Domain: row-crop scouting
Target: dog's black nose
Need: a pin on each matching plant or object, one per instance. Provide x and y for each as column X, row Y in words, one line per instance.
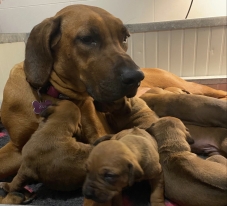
column 132, row 77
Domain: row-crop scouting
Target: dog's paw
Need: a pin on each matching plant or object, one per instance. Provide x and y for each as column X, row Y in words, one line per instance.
column 3, row 193
column 13, row 198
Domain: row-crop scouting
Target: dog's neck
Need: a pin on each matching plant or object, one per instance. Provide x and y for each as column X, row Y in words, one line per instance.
column 67, row 89
column 172, row 145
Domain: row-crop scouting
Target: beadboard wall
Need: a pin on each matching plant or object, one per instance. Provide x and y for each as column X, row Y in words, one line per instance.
column 186, row 52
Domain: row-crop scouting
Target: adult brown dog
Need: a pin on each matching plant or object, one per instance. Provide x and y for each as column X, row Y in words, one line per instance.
column 52, row 156
column 189, row 180
column 81, row 51
column 130, row 155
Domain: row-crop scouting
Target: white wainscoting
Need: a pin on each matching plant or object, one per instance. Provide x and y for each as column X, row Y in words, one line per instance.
column 185, row 52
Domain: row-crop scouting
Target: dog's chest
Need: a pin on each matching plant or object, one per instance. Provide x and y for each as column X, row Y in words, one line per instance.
column 94, row 123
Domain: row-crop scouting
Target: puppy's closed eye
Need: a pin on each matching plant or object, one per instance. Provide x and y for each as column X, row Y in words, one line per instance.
column 110, row 177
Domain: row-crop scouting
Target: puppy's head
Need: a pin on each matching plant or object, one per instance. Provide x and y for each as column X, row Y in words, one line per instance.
column 66, row 112
column 169, row 128
column 110, row 167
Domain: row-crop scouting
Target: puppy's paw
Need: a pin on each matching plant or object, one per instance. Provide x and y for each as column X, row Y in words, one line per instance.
column 48, row 111
column 3, row 194
column 13, row 198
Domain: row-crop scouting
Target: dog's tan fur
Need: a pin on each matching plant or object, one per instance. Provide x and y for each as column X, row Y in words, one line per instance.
column 189, row 180
column 200, row 110
column 155, row 77
column 128, row 156
column 52, row 156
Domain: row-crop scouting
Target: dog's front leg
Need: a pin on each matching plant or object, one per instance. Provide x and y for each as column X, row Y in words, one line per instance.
column 157, row 190
column 16, row 192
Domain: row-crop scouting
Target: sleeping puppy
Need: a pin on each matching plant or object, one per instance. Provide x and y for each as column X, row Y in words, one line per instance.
column 126, row 157
column 51, row 154
column 189, row 180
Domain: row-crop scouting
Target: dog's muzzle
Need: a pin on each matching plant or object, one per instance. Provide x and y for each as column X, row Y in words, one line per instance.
column 132, row 78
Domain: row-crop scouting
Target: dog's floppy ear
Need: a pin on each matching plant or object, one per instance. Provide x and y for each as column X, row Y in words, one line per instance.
column 38, row 55
column 135, row 172
column 189, row 139
column 101, row 139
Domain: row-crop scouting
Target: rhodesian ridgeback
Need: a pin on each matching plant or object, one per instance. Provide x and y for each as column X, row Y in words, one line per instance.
column 128, row 156
column 83, row 58
column 189, row 179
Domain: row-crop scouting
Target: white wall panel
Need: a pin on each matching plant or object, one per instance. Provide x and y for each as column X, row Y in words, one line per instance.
column 224, row 54
column 189, row 50
column 176, row 54
column 215, row 51
column 151, row 49
column 138, row 49
column 202, row 51
column 163, row 49
column 186, row 52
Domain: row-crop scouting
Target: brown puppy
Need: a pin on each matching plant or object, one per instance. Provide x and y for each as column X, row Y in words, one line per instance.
column 51, row 155
column 81, row 51
column 128, row 156
column 200, row 110
column 208, row 140
column 189, row 180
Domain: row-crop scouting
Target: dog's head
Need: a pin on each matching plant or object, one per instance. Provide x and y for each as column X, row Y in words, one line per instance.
column 170, row 129
column 82, row 51
column 110, row 167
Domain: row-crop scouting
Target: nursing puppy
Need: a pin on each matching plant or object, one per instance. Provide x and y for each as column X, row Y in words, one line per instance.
column 208, row 140
column 189, row 180
column 128, row 156
column 51, row 155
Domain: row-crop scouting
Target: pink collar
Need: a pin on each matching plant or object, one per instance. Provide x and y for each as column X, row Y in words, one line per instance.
column 54, row 93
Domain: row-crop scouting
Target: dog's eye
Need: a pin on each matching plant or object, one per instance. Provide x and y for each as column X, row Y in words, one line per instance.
column 125, row 40
column 88, row 40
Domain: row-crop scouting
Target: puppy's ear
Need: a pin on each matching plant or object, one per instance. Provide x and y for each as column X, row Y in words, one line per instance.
column 39, row 59
column 150, row 129
column 188, row 137
column 101, row 139
column 135, row 172
column 79, row 132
